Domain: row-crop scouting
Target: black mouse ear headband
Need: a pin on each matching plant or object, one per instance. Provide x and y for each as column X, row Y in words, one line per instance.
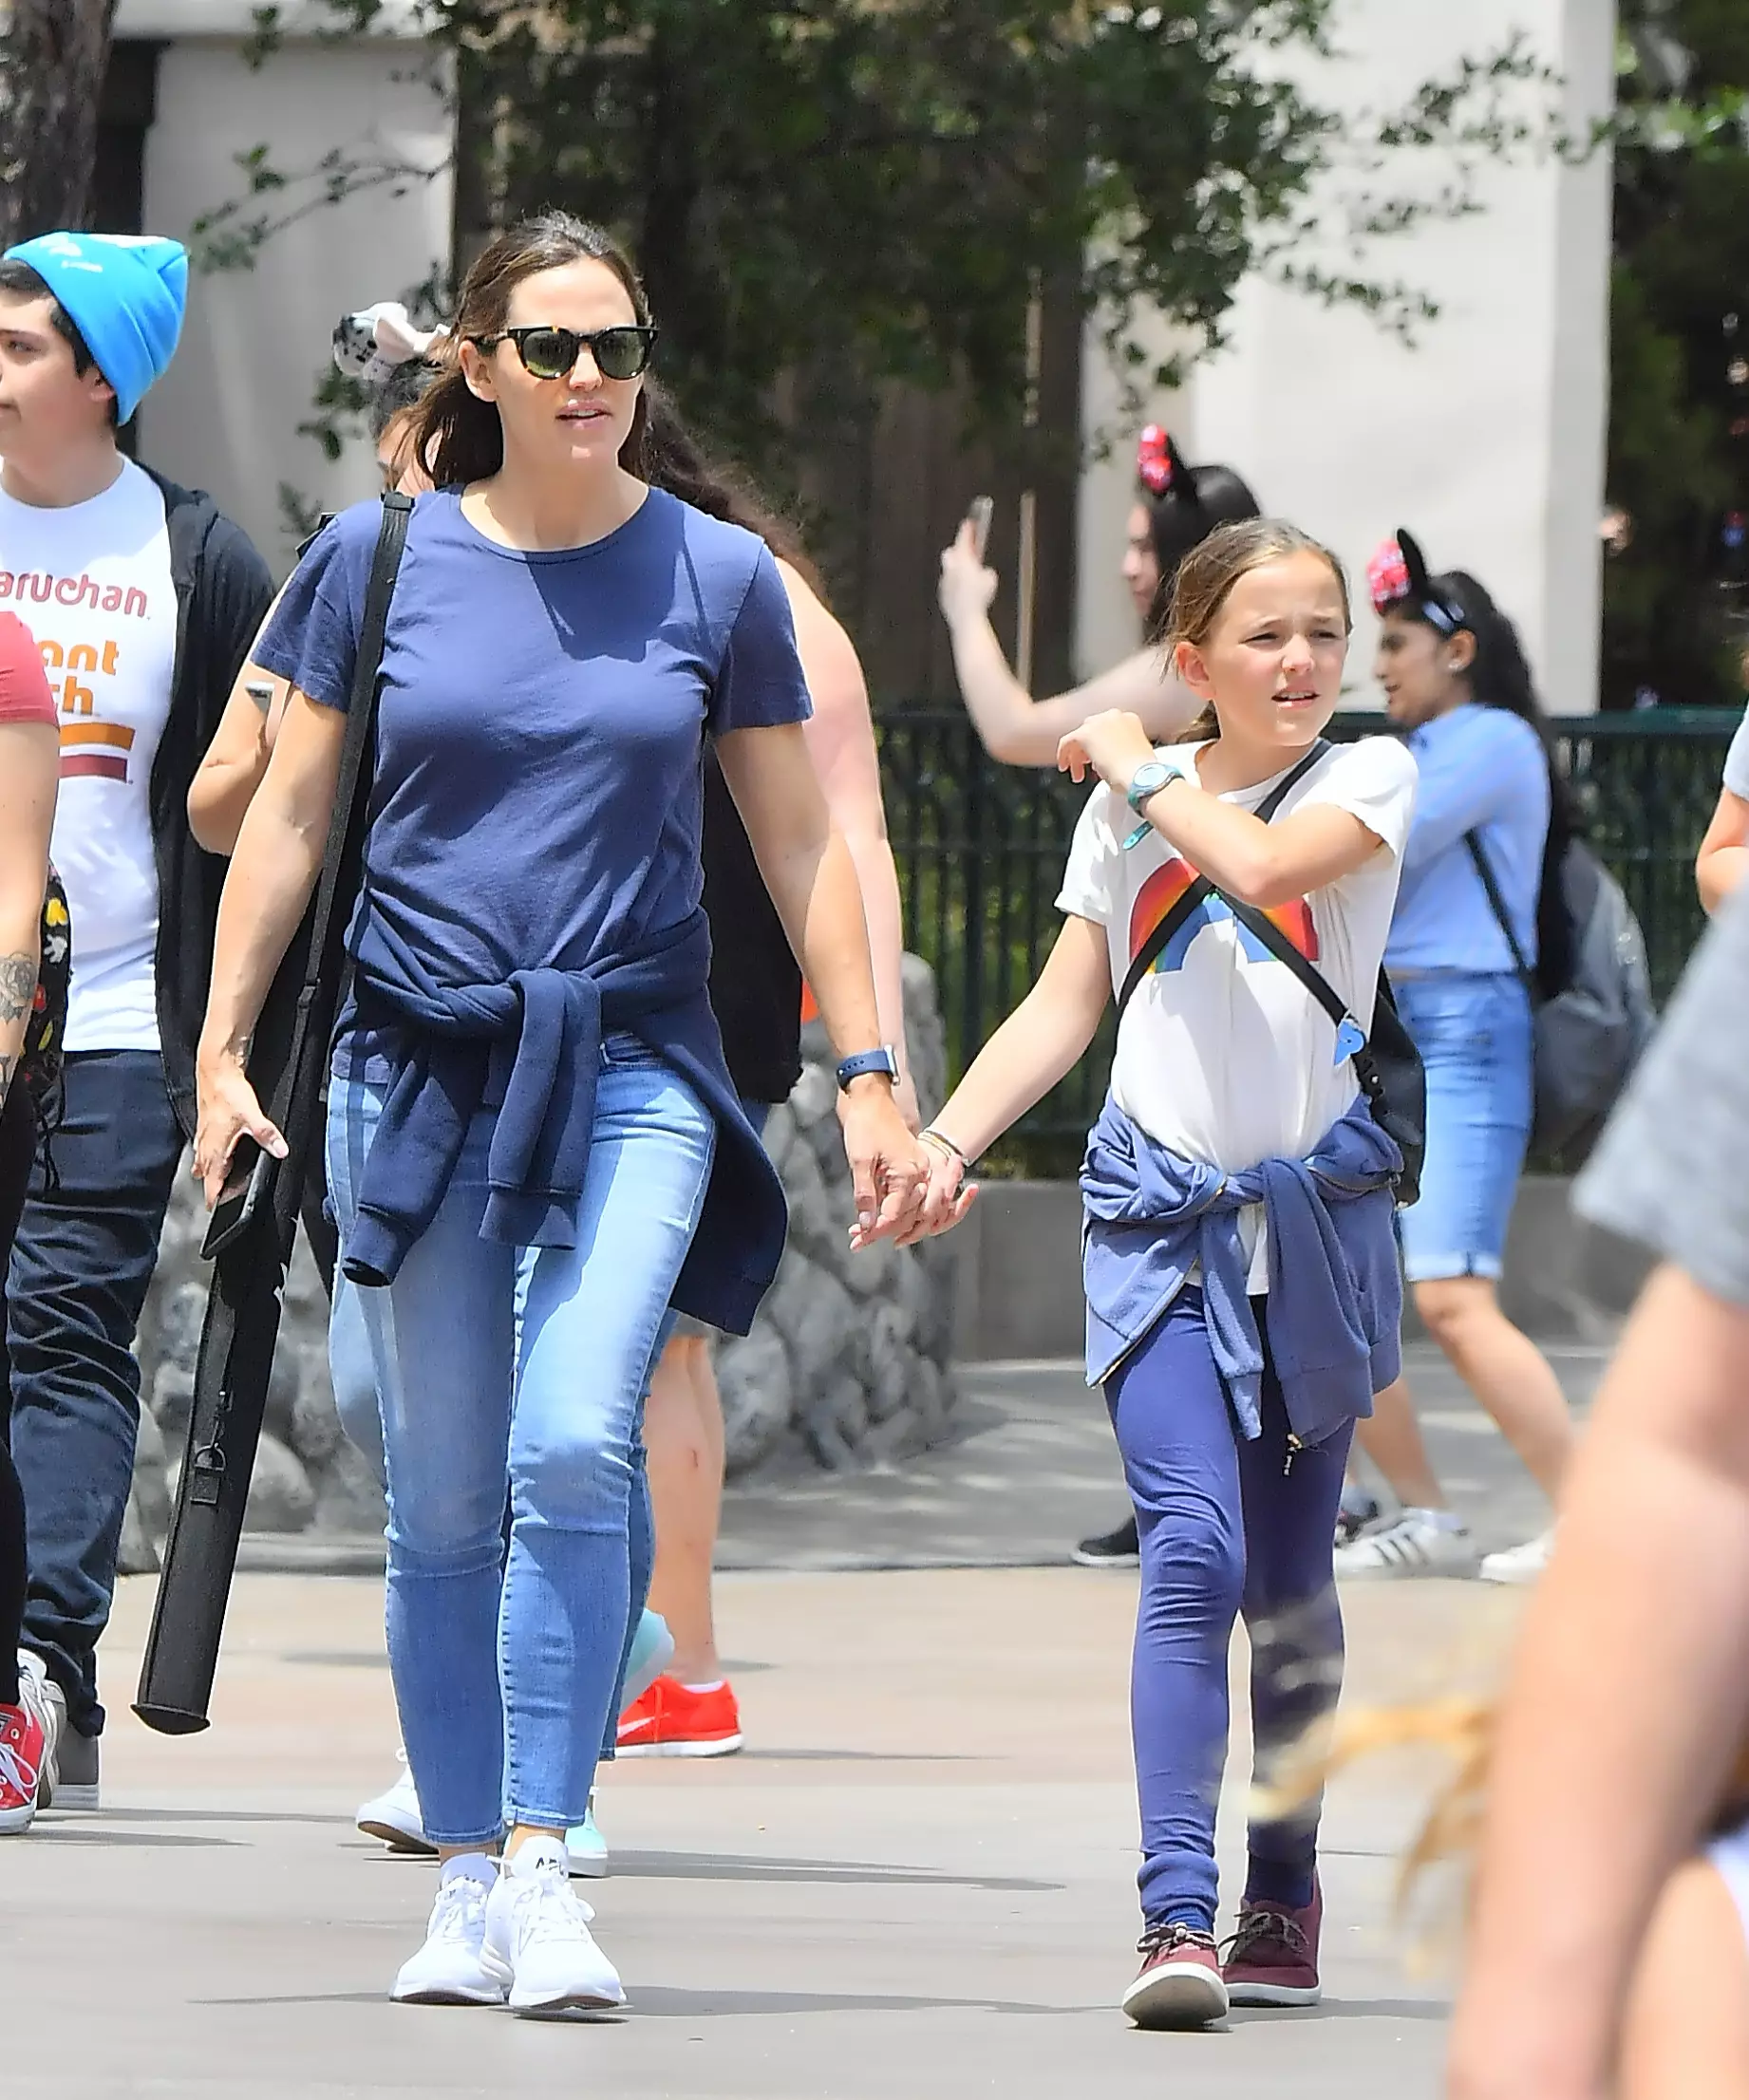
column 1160, row 469
column 1397, row 576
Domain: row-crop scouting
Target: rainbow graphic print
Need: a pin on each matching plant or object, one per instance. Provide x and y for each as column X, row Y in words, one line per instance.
column 1167, row 883
column 95, row 749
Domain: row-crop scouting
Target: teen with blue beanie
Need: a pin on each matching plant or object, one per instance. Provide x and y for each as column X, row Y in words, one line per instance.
column 534, row 1143
column 1242, row 1297
column 144, row 600
column 1456, row 679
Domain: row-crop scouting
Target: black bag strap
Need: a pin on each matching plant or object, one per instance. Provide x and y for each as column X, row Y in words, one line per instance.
column 1160, row 939
column 346, row 827
column 1473, row 839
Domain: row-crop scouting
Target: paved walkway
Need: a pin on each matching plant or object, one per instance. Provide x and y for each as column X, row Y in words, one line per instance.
column 918, row 1881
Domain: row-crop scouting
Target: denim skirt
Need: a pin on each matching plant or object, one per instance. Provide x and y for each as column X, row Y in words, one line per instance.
column 1474, row 1037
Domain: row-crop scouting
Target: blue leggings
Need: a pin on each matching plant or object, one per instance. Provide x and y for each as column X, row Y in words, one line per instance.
column 1227, row 1527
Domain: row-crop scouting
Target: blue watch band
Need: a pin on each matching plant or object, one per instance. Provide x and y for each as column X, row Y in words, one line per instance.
column 864, row 1062
column 1150, row 778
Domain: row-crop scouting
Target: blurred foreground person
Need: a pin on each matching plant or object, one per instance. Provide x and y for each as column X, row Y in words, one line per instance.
column 1609, row 1950
column 33, row 959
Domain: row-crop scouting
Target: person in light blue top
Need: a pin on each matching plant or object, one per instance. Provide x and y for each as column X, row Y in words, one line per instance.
column 534, row 1145
column 1479, row 933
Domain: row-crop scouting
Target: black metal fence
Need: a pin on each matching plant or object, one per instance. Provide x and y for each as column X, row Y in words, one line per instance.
column 981, row 849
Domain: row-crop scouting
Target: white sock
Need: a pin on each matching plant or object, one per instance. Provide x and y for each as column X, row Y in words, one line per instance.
column 473, row 1866
column 1442, row 1520
column 716, row 1685
column 535, row 1853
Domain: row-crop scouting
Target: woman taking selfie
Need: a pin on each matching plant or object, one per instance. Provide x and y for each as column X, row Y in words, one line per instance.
column 534, row 1144
column 1240, row 1267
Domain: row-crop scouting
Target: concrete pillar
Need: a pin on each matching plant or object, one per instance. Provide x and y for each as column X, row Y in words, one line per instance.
column 257, row 341
column 1487, row 436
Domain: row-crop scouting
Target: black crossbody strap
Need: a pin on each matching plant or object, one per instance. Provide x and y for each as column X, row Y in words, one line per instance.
column 347, row 824
column 1497, row 903
column 1264, row 929
column 1158, row 941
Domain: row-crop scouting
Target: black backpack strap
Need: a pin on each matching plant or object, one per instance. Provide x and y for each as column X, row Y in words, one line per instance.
column 1158, row 941
column 1497, row 904
column 346, row 827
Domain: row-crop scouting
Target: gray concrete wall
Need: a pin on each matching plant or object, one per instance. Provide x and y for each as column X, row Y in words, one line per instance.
column 1018, row 1285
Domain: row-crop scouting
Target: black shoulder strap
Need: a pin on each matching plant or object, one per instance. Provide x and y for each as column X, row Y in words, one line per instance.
column 1160, row 939
column 1497, row 904
column 346, row 828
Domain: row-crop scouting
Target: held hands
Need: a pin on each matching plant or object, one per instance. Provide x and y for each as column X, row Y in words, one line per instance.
column 227, row 1110
column 889, row 1169
column 1112, row 744
column 946, row 1199
column 967, row 589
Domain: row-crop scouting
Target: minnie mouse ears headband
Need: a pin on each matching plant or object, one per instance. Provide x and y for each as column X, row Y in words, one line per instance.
column 1397, row 576
column 1158, row 467
column 372, row 346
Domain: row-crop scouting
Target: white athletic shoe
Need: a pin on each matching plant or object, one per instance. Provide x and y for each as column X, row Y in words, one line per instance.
column 450, row 1968
column 1519, row 1564
column 395, row 1817
column 538, row 1940
column 43, row 1699
column 586, row 1849
column 1414, row 1541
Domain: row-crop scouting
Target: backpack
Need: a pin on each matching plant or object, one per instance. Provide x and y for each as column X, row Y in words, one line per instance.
column 1387, row 1062
column 1588, row 1033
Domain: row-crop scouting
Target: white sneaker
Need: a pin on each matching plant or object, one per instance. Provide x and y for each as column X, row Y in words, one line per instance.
column 450, row 1968
column 395, row 1816
column 586, row 1849
column 44, row 1699
column 537, row 1937
column 1414, row 1541
column 1519, row 1564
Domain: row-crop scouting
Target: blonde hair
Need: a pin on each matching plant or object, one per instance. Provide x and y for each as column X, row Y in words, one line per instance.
column 1206, row 578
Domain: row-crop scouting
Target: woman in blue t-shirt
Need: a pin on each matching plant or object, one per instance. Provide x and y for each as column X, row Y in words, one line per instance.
column 534, row 1144
column 1490, row 810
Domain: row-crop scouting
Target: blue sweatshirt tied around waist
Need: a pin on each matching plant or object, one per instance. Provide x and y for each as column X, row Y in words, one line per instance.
column 1335, row 1302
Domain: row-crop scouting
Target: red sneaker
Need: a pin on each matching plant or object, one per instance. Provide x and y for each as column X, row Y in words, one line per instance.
column 1272, row 1958
column 22, row 1746
column 673, row 1721
column 1179, row 1983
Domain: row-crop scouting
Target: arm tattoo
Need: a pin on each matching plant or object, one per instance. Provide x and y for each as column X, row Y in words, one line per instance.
column 17, row 986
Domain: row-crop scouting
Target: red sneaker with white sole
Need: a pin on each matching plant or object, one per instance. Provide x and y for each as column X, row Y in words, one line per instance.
column 23, row 1747
column 673, row 1721
column 1272, row 1958
column 1179, row 1983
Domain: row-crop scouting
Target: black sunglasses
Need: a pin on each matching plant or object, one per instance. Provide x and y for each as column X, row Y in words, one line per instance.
column 620, row 352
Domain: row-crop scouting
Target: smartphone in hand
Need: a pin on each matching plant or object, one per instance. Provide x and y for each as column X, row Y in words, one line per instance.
column 983, row 509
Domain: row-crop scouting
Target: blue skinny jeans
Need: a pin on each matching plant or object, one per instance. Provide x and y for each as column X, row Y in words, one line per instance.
column 517, row 1373
column 1227, row 1528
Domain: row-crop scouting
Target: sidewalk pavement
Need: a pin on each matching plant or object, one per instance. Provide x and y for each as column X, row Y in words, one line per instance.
column 917, row 1880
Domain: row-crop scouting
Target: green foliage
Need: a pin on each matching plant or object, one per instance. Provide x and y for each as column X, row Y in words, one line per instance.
column 1679, row 423
column 859, row 191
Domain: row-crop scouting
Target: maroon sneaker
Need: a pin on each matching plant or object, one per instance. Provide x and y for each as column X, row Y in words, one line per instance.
column 1179, row 1982
column 1272, row 1958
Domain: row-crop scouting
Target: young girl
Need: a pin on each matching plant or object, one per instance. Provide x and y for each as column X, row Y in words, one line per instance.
column 1242, row 1293
column 532, row 1142
column 1456, row 678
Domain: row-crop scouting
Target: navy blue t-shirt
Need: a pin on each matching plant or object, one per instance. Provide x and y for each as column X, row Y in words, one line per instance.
column 537, row 799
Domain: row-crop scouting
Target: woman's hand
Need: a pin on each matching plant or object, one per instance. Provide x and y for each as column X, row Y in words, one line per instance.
column 227, row 1110
column 1112, row 744
column 889, row 1168
column 949, row 1196
column 967, row 589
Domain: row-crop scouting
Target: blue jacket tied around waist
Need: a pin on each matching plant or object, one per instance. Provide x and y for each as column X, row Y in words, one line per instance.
column 1335, row 1303
column 531, row 1047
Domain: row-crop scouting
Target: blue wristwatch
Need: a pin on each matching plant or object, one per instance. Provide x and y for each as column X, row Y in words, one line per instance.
column 883, row 1061
column 1151, row 776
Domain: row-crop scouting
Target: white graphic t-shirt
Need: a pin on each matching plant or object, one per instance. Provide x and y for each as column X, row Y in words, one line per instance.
column 92, row 583
column 1222, row 1053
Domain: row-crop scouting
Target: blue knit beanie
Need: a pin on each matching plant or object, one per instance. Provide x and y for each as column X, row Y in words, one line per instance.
column 125, row 293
